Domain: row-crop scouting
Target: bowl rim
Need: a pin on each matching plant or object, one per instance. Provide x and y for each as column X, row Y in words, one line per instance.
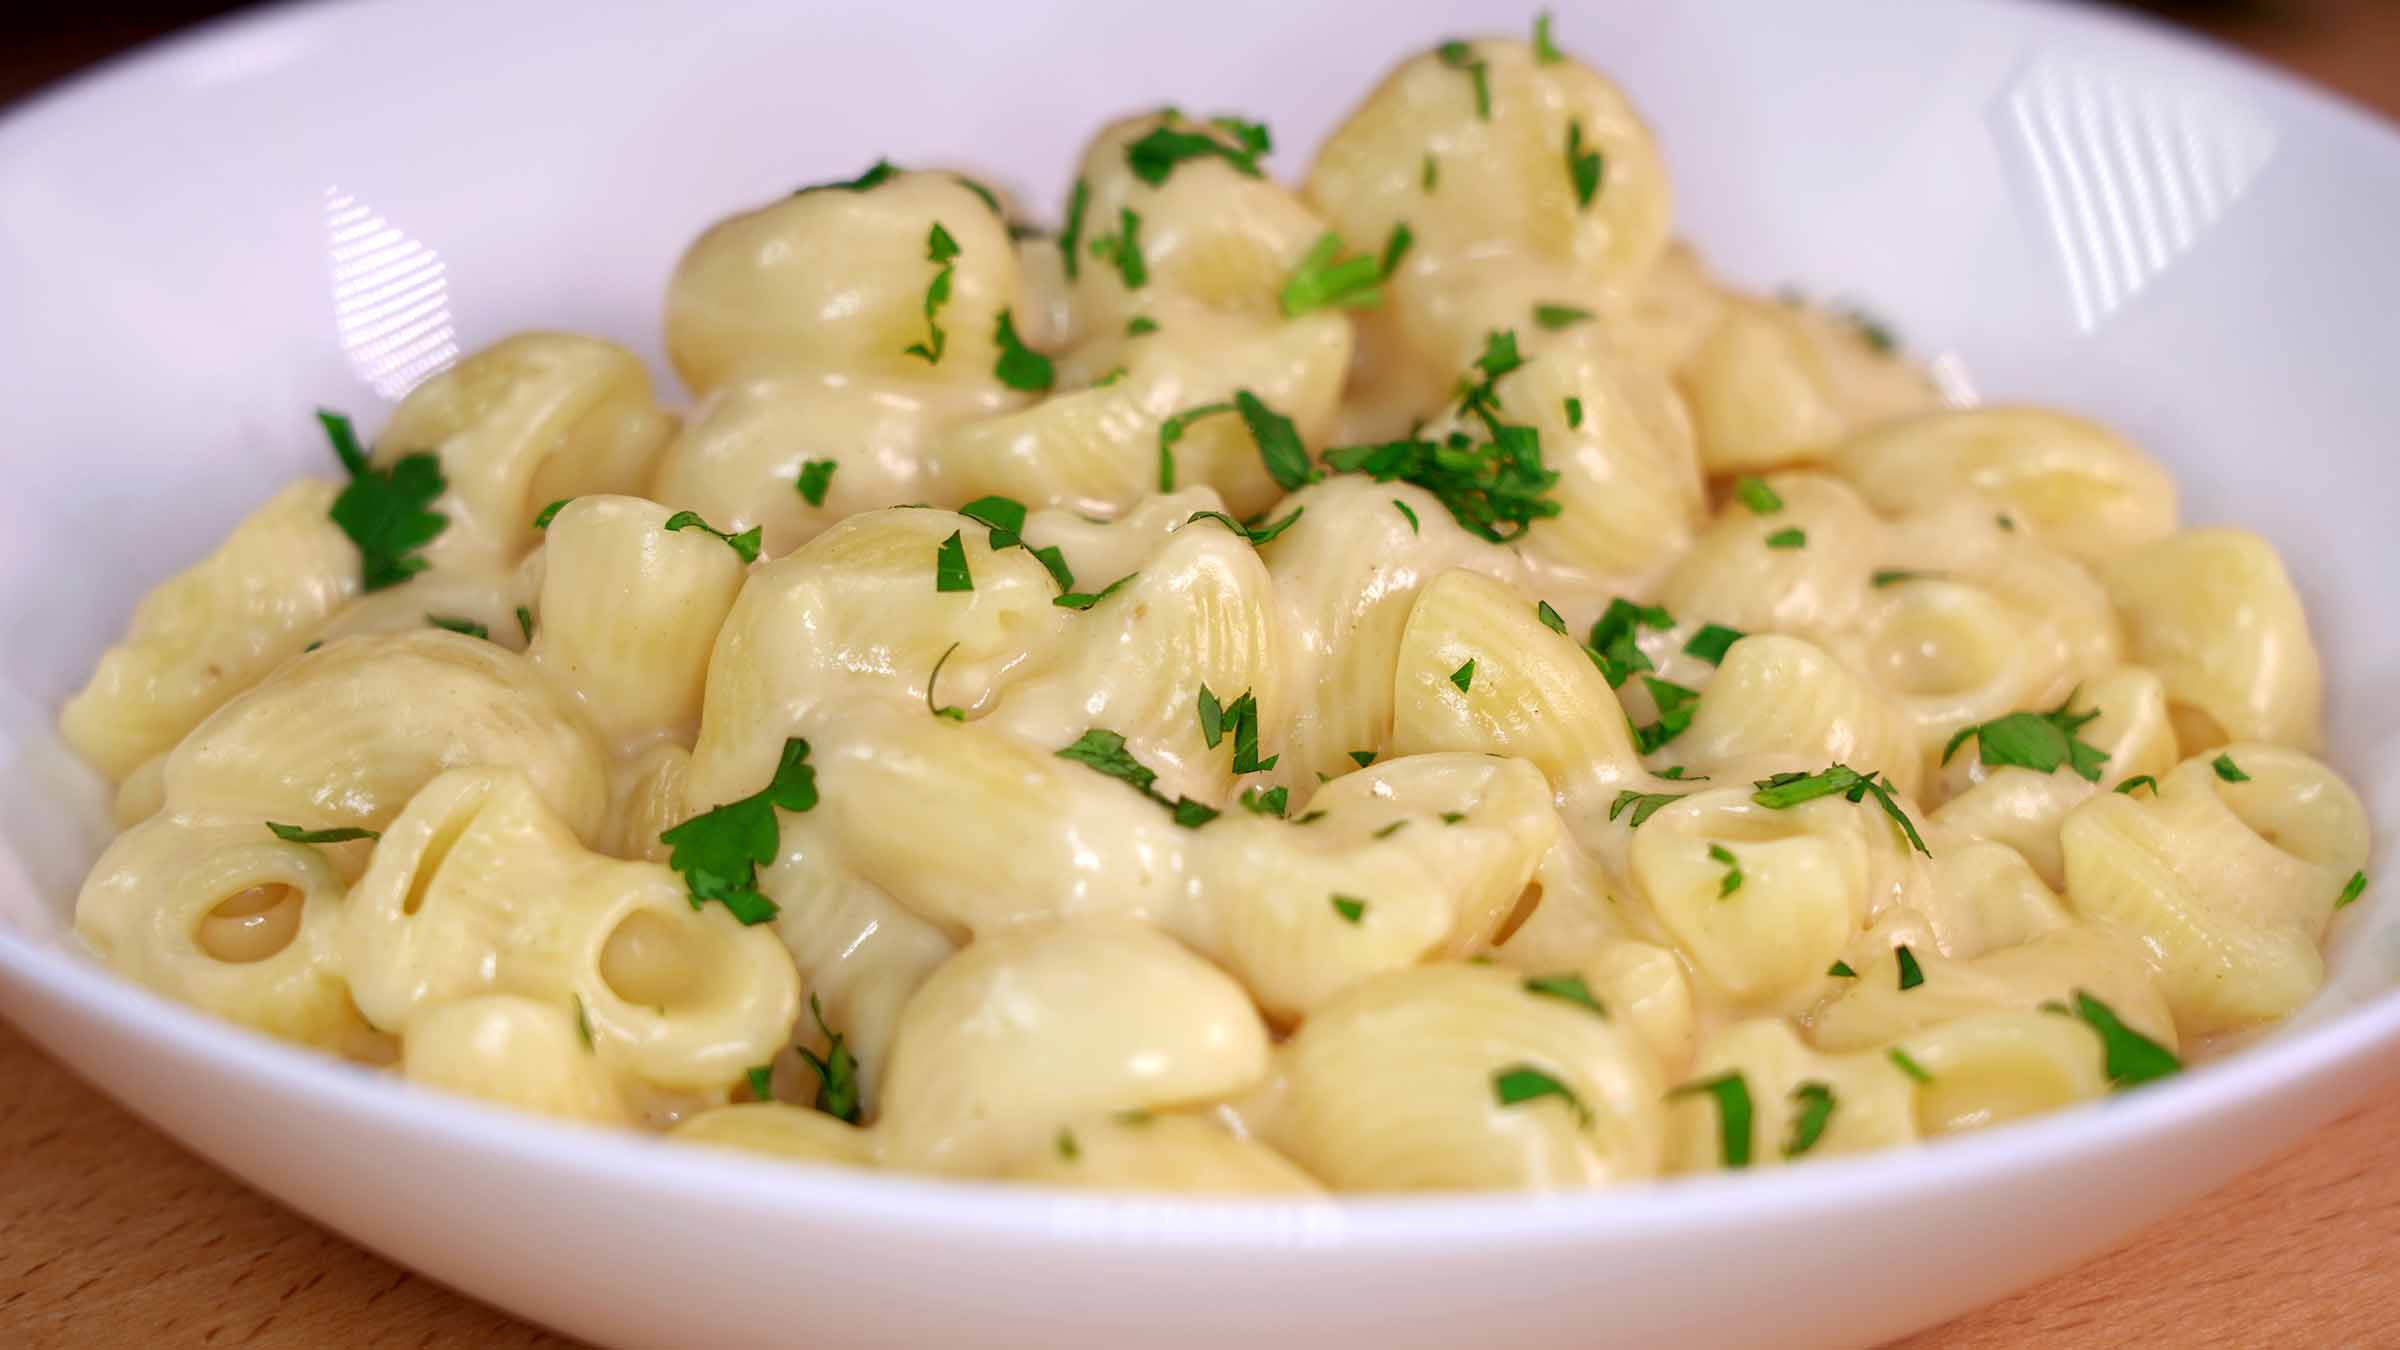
column 51, row 972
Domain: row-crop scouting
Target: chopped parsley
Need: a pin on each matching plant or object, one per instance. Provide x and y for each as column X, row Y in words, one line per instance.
column 343, row 834
column 1067, row 1148
column 468, row 627
column 1321, row 282
column 1256, row 536
column 1020, row 366
column 744, row 545
column 1753, row 492
column 1070, row 238
column 1904, row 1064
column 1644, row 804
column 1711, row 643
column 1406, row 514
column 1464, row 676
column 1520, row 1083
column 1078, row 600
column 1787, row 790
column 1676, row 707
column 1004, row 515
column 583, row 1023
column 1429, row 174
column 1733, row 869
column 876, row 173
column 1613, row 643
column 1574, row 413
column 1278, row 442
column 1362, row 758
column 720, row 850
column 1556, row 317
column 1500, row 481
column 1569, row 987
column 1460, row 56
column 1389, row 830
column 1124, row 248
column 2132, row 1058
column 1874, row 332
column 1395, row 247
column 1350, row 907
column 1140, row 324
column 1911, row 974
column 2355, row 887
column 1153, row 157
column 761, row 1078
column 1585, row 167
column 1238, row 719
column 1812, row 1107
column 385, row 511
column 954, row 714
column 1894, row 576
column 1272, row 802
column 950, row 565
column 1103, row 751
column 837, row 1072
column 1453, row 817
column 2005, row 521
column 2136, row 783
column 525, row 622
column 1551, row 619
column 2228, row 770
column 1733, row 1113
column 941, row 250
column 1793, row 537
column 550, row 513
column 1842, row 969
column 1171, row 430
column 1544, row 51
column 2037, row 741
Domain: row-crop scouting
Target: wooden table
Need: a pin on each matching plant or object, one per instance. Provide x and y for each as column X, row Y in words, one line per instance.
column 112, row 1236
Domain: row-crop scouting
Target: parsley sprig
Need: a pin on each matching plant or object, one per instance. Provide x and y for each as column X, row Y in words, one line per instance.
column 744, row 545
column 385, row 511
column 1495, row 488
column 942, row 251
column 1154, row 156
column 837, row 1070
column 720, row 851
column 1103, row 751
column 1787, row 790
column 2037, row 741
column 1020, row 366
column 1238, row 719
column 1732, row 1094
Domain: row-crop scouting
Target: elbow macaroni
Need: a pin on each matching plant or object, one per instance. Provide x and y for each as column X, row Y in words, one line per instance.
column 1402, row 683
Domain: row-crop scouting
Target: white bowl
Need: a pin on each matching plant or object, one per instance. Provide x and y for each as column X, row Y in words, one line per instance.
column 2062, row 207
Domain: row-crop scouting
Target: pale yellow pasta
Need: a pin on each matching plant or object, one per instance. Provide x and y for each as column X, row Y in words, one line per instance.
column 2228, row 884
column 630, row 611
column 1024, row 1031
column 1399, row 682
column 507, row 1048
column 213, row 631
column 2213, row 612
column 1396, row 1086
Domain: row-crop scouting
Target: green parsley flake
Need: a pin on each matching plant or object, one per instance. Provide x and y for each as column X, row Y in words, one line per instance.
column 466, row 627
column 837, row 1072
column 1078, row 600
column 1874, row 332
column 1272, row 802
column 1614, row 642
column 1794, row 537
column 1676, row 707
column 1171, row 430
column 2005, row 521
column 1906, row 1065
column 1103, row 751
column 525, row 622
column 1464, row 676
column 1004, row 515
column 1408, row 515
column 720, row 850
column 1389, row 830
column 1067, row 1147
column 1395, row 247
column 1733, row 869
column 2352, row 889
column 583, row 1023
column 2037, row 741
column 1460, row 56
column 1020, row 366
column 1429, row 174
column 954, row 714
column 1753, row 492
column 1569, row 987
column 1574, row 413
column 1911, row 974
column 1644, row 804
column 761, row 1078
column 294, row 834
column 1551, row 619
column 1258, row 536
column 815, row 477
column 950, row 565
column 2138, row 782
column 1153, row 157
column 1320, row 282
column 1545, row 52
column 1124, row 248
column 1711, row 643
column 1520, row 1083
column 2228, row 770
column 1139, row 325
column 550, row 513
column 1787, row 790
column 1585, row 167
column 1278, row 442
column 744, row 545
column 1732, row 1094
column 385, row 511
column 1350, row 907
column 1070, row 239
column 941, row 250
column 1895, row 576
column 2132, row 1058
column 875, row 175
column 1812, row 1107
column 1362, row 758
column 1453, row 817
column 1842, row 969
column 1556, row 317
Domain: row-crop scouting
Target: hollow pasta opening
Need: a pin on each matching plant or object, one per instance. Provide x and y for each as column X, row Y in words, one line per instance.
column 1939, row 649
column 654, row 962
column 251, row 924
column 429, row 863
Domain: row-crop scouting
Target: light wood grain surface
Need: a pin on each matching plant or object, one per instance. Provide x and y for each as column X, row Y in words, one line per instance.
column 113, row 1236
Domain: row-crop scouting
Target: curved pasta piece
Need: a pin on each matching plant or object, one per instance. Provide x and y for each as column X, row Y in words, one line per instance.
column 1871, row 1009
column 1777, row 385
column 2002, row 1066
column 520, row 424
column 518, row 1051
column 2227, row 883
column 791, row 1133
column 1028, row 1029
column 1782, row 696
column 479, row 888
column 645, row 800
column 837, row 280
column 345, row 735
column 1137, row 1151
column 630, row 613
column 1398, row 1085
column 1872, row 1102
column 1984, row 896
column 2072, row 484
column 2213, row 612
column 224, row 916
column 480, row 602
column 1478, row 670
column 1814, row 587
column 213, row 630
